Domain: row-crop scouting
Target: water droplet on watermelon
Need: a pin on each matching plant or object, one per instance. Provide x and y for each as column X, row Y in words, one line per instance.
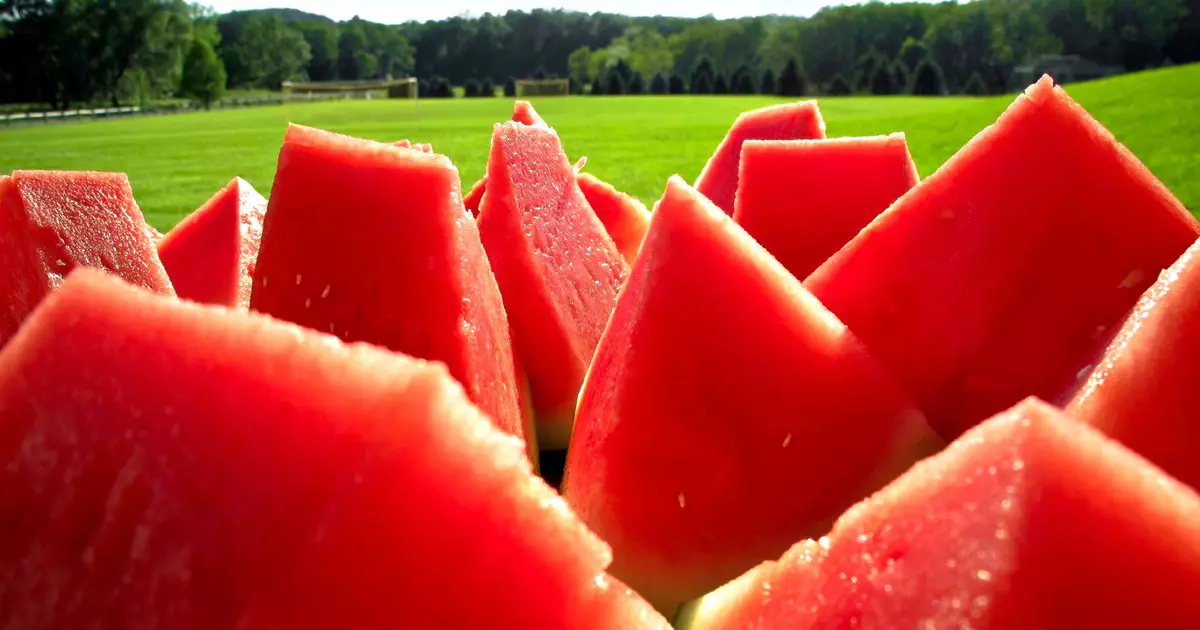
column 984, row 575
column 264, row 282
column 60, row 263
column 307, row 302
column 887, row 588
column 1018, row 464
column 824, row 542
column 951, row 563
column 298, row 277
column 862, row 539
column 991, row 470
column 787, row 440
column 1006, row 504
column 682, row 501
column 1001, row 534
column 325, row 293
column 956, row 603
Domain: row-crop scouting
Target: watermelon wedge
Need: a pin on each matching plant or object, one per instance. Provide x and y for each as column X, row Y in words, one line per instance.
column 558, row 270
column 981, row 286
column 688, row 437
column 1029, row 521
column 158, row 476
column 791, row 121
column 368, row 242
column 54, row 221
column 1142, row 392
column 524, row 113
column 624, row 218
column 210, row 255
column 846, row 183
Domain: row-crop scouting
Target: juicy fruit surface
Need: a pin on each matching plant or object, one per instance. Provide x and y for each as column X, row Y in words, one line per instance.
column 252, row 209
column 625, row 218
column 682, row 468
column 1143, row 390
column 203, row 253
column 558, row 270
column 804, row 199
column 978, row 287
column 408, row 275
column 791, row 121
column 53, row 222
column 1030, row 520
column 150, row 491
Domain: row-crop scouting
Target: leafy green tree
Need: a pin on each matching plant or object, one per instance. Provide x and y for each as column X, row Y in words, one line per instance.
column 839, row 86
column 767, row 84
column 791, row 81
column 579, row 63
column 637, row 85
column 203, row 78
column 912, row 51
column 881, row 81
column 440, row 87
column 487, row 89
column 900, row 77
column 424, row 88
column 927, row 79
column 322, row 41
column 975, row 85
column 510, row 87
column 658, row 85
column 703, row 72
column 540, row 73
column 597, row 87
column 614, row 83
column 352, row 43
column 745, row 84
column 676, row 85
column 271, row 51
column 471, row 88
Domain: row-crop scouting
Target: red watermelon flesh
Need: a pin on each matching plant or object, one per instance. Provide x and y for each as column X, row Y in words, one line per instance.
column 1029, row 520
column 790, row 121
column 988, row 282
column 368, row 242
column 624, row 218
column 694, row 474
column 524, row 113
column 1143, row 391
column 474, row 197
column 211, row 254
column 54, row 221
column 846, row 183
column 558, row 270
column 157, row 476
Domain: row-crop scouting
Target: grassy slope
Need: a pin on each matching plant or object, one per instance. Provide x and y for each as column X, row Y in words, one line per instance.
column 176, row 162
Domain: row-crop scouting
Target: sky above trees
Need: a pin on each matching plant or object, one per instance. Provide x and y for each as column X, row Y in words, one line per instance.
column 391, row 12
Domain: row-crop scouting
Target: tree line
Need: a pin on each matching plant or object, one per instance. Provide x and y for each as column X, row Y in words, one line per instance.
column 65, row 52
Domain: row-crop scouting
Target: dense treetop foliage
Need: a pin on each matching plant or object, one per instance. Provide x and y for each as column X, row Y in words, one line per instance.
column 64, row 52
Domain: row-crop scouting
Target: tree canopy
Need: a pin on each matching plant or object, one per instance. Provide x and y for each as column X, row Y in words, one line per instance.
column 63, row 52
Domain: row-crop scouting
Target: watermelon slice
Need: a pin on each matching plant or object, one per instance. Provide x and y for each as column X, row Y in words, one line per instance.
column 54, row 221
column 524, row 113
column 988, row 282
column 624, row 218
column 211, row 254
column 790, row 121
column 846, row 183
column 404, row 270
column 1029, row 521
column 558, row 270
column 683, row 468
column 173, row 465
column 1142, row 393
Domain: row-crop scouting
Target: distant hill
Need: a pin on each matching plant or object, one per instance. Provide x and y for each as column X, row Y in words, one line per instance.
column 289, row 15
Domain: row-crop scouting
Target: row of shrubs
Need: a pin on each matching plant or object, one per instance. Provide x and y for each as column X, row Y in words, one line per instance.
column 883, row 78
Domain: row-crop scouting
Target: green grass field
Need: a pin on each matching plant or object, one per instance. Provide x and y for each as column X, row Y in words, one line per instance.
column 176, row 162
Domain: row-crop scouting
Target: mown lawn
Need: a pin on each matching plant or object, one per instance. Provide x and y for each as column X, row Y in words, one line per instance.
column 175, row 162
